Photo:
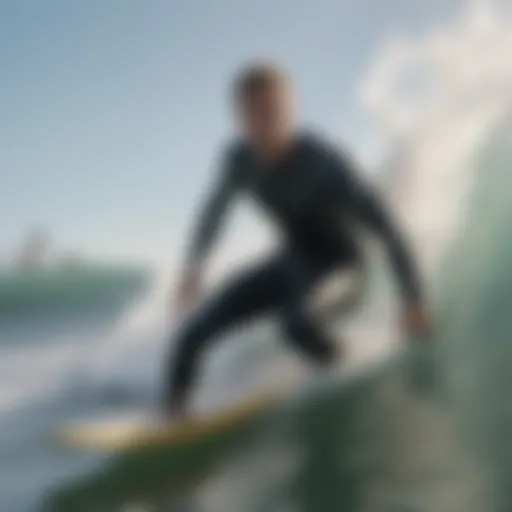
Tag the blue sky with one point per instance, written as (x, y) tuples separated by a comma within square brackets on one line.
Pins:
[(112, 110)]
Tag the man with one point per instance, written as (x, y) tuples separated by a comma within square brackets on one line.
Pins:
[(314, 196)]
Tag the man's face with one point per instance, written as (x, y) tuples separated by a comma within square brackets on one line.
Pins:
[(267, 115)]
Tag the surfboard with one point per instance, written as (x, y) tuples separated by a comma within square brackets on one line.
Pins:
[(145, 429)]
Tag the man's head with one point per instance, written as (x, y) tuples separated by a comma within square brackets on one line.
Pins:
[(264, 105)]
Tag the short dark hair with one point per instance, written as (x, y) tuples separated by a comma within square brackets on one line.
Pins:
[(255, 77)]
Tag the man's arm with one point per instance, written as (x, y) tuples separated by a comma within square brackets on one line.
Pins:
[(205, 233), (211, 217), (366, 206)]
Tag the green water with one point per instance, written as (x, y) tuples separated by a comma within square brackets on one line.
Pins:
[(65, 288)]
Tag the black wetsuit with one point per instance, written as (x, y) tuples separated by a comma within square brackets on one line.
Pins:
[(316, 199)]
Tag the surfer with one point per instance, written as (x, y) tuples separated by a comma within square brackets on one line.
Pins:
[(316, 198)]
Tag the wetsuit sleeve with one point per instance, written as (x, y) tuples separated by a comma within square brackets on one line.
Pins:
[(213, 212), (367, 206)]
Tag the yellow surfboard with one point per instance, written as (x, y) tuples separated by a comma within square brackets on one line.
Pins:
[(143, 429), (139, 431)]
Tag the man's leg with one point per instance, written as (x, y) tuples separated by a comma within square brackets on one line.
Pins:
[(306, 334), (255, 292), (302, 325)]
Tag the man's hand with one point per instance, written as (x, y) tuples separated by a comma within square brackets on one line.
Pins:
[(417, 319), (189, 289)]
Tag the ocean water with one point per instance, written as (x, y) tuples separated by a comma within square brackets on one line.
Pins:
[(423, 428)]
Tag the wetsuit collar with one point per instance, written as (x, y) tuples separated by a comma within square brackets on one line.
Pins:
[(284, 153)]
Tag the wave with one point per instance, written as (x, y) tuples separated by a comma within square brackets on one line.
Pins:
[(427, 430)]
